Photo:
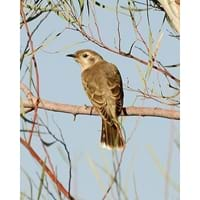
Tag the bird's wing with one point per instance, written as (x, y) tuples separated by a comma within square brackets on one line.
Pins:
[(103, 86), (114, 84)]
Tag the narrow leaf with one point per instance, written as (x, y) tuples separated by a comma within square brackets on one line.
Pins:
[(41, 180), (81, 4)]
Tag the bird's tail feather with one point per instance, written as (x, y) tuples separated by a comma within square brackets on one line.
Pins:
[(111, 136)]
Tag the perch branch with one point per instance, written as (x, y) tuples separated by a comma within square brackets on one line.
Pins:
[(88, 110)]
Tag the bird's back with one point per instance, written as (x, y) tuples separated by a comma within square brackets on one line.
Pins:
[(103, 84)]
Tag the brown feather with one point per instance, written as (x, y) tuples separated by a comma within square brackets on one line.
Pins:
[(103, 85)]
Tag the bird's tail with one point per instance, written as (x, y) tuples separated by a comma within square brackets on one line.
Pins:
[(111, 136)]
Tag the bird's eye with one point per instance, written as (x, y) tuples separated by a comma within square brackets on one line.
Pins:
[(85, 55)]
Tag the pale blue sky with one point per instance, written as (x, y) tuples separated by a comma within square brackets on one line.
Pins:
[(60, 82)]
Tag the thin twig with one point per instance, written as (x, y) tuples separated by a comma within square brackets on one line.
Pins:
[(118, 26), (77, 26), (46, 168), (128, 55), (35, 65), (62, 142), (115, 176)]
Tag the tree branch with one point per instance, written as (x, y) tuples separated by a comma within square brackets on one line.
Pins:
[(47, 169), (88, 110)]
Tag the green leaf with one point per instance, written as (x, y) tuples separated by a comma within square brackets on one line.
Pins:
[(41, 181), (81, 4), (22, 110), (150, 53)]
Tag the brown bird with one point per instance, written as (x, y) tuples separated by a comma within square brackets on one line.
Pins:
[(103, 85)]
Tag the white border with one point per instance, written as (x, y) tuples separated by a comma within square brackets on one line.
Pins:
[(190, 100), (9, 100)]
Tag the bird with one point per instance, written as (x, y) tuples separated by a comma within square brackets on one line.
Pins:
[(103, 85)]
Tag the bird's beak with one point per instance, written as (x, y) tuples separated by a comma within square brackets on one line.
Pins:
[(71, 55)]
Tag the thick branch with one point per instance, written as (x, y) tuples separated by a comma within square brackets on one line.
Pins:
[(88, 110)]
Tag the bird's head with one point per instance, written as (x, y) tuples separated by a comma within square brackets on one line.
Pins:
[(86, 58)]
